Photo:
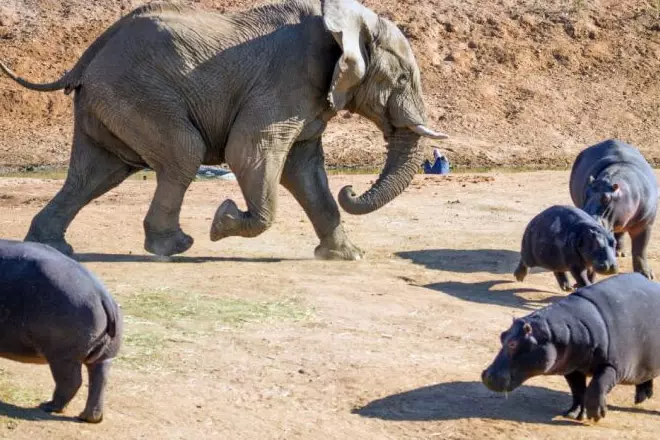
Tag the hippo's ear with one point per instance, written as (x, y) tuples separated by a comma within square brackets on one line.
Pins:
[(592, 179), (527, 329), (615, 187)]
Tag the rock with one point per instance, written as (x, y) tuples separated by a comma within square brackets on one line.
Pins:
[(7, 17)]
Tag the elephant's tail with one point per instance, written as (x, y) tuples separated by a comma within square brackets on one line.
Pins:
[(72, 79), (65, 82)]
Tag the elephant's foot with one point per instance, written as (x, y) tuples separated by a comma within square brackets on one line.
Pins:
[(52, 407), (90, 417), (167, 243), (345, 250), (58, 244), (229, 221)]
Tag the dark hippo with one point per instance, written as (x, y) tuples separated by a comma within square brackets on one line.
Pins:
[(564, 238), (54, 311), (609, 330), (615, 184)]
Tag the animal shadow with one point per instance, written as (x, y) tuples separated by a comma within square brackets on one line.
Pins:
[(32, 414), (483, 292), (137, 258), (497, 261), (463, 400)]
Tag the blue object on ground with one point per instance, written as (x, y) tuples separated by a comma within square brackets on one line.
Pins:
[(209, 172), (440, 165)]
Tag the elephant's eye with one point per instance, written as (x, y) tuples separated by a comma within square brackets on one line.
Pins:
[(403, 78)]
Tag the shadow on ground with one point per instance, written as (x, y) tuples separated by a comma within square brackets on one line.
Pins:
[(484, 293), (464, 400), (32, 414), (137, 258), (497, 261)]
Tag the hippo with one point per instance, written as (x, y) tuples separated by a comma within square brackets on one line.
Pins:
[(54, 311), (609, 330), (565, 238), (613, 182)]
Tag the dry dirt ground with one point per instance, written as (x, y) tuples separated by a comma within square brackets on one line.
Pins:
[(254, 339), (514, 82)]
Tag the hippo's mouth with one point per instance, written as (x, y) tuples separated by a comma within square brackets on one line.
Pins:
[(499, 383)]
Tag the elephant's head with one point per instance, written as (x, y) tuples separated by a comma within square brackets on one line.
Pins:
[(377, 77)]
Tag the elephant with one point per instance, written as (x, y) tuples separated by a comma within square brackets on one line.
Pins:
[(170, 88)]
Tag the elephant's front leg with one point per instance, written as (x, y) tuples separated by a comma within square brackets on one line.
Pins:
[(257, 160), (305, 177)]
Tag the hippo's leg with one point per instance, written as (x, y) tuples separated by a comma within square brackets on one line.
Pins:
[(68, 378), (594, 398), (643, 391), (521, 271), (578, 383), (640, 240), (98, 377), (591, 275), (581, 276), (562, 279), (620, 242)]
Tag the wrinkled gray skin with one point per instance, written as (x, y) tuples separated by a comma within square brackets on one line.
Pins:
[(614, 183), (565, 238), (609, 330), (54, 311), (172, 88)]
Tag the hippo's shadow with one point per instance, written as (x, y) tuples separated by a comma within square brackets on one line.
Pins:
[(483, 292), (32, 414), (92, 257), (463, 400), (497, 261)]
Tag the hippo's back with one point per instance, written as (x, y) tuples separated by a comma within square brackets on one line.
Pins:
[(630, 306), (546, 235), (37, 279), (595, 159)]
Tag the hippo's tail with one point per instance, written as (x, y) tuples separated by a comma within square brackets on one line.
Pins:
[(111, 312)]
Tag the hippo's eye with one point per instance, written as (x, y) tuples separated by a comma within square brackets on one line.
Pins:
[(512, 345)]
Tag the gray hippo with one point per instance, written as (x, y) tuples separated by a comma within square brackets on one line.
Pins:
[(609, 330), (564, 238), (614, 183), (54, 311)]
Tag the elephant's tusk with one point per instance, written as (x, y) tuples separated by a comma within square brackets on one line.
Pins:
[(422, 130)]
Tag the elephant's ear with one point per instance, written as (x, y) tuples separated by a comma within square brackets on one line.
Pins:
[(350, 24)]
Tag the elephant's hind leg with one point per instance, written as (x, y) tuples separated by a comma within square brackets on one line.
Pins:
[(93, 171), (163, 234), (305, 177)]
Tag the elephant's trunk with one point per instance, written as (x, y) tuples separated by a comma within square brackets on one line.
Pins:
[(403, 159)]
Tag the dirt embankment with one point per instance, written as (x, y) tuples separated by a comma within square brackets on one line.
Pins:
[(516, 83)]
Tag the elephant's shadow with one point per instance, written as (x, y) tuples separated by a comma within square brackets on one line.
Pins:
[(93, 257), (32, 414)]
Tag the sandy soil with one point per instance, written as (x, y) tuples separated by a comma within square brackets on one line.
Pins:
[(518, 82), (252, 338)]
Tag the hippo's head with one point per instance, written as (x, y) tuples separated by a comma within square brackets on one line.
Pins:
[(600, 197), (597, 246), (526, 352)]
